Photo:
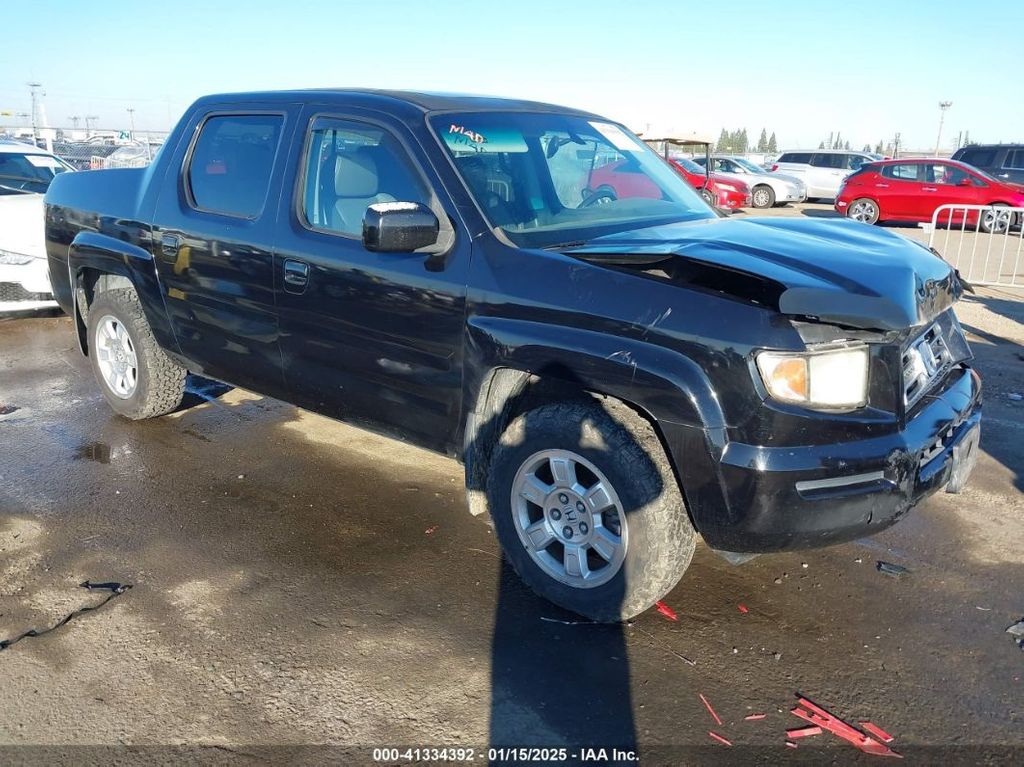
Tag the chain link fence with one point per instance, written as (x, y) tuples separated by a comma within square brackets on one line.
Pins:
[(93, 148)]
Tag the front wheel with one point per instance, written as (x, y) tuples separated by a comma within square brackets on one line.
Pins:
[(863, 210), (996, 220), (763, 196), (587, 509), (136, 376), (709, 197)]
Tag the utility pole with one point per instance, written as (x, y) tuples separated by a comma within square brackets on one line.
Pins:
[(33, 89), (131, 118), (943, 106), (896, 147), (74, 121), (90, 119)]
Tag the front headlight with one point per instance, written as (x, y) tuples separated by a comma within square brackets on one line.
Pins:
[(14, 259), (726, 187), (829, 379)]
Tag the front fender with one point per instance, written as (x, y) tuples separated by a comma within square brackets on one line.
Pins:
[(665, 384), (108, 255)]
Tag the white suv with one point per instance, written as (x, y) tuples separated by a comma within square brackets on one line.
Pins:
[(25, 174), (822, 170)]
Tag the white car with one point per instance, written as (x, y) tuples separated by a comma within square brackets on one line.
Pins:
[(766, 189), (822, 170), (25, 174)]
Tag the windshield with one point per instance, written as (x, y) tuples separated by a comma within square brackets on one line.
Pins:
[(551, 179), (750, 166), (28, 172)]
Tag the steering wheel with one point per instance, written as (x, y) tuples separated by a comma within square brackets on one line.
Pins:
[(602, 196)]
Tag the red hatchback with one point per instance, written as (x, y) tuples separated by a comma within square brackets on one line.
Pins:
[(617, 177), (911, 190)]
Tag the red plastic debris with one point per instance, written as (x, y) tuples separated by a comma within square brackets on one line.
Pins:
[(743, 609), (710, 710), (754, 717), (877, 731), (430, 530), (791, 744), (816, 715), (667, 611), (719, 738), (803, 732)]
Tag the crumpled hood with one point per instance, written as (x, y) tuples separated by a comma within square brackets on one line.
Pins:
[(838, 271), (22, 224)]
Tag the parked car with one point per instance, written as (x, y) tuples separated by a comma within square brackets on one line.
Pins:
[(823, 170), (911, 190), (1002, 161), (724, 192), (25, 174), (621, 180), (766, 189), (619, 374)]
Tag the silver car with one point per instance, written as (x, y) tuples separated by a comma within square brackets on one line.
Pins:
[(822, 170), (766, 189)]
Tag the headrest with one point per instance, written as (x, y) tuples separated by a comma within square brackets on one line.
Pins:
[(355, 175)]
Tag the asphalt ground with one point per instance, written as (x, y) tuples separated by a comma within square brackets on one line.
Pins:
[(298, 582)]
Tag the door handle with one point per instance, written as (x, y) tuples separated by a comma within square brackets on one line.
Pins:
[(296, 275), (881, 186), (169, 245), (929, 189)]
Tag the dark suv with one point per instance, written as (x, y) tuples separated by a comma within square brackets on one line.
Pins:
[(619, 371), (1003, 161)]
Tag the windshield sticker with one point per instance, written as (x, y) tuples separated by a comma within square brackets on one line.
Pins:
[(460, 138), (620, 140), (42, 161)]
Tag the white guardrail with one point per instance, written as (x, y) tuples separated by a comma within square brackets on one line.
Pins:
[(984, 242)]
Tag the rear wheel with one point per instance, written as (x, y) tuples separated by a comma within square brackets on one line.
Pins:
[(863, 210), (709, 197), (587, 509), (136, 376), (763, 196)]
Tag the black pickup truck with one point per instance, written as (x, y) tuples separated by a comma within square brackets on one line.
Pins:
[(619, 367)]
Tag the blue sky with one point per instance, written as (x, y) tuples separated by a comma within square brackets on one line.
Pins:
[(867, 69)]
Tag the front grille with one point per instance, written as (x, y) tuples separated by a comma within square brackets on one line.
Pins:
[(12, 291), (931, 355)]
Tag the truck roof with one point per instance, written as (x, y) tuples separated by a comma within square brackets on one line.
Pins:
[(421, 101)]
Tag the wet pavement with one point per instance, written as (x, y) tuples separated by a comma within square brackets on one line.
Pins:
[(298, 581)]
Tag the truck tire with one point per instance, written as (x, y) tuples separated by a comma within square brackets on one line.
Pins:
[(136, 376), (587, 509)]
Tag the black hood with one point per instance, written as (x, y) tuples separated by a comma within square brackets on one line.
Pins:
[(837, 271)]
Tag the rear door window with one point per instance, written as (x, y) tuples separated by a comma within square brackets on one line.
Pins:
[(231, 161), (1014, 160), (822, 160), (902, 172), (855, 161), (798, 157)]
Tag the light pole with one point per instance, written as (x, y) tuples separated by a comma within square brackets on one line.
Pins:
[(74, 121), (131, 118), (943, 106), (33, 89), (90, 119)]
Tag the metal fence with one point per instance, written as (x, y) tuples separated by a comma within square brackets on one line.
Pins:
[(984, 242), (93, 148)]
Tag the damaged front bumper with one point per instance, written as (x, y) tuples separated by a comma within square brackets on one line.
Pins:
[(759, 499)]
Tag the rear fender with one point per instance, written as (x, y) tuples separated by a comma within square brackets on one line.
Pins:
[(92, 256)]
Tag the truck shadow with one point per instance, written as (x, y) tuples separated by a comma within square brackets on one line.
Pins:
[(558, 679)]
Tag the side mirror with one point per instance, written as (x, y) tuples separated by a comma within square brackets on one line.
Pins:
[(399, 227), (966, 181)]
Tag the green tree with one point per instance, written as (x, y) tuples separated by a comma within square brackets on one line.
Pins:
[(742, 141), (880, 147), (846, 145), (723, 142), (773, 145), (867, 148), (762, 143), (821, 145)]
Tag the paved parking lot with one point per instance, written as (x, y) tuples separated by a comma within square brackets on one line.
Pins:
[(298, 581)]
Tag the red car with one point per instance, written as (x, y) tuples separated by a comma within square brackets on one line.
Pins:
[(728, 194), (911, 190)]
